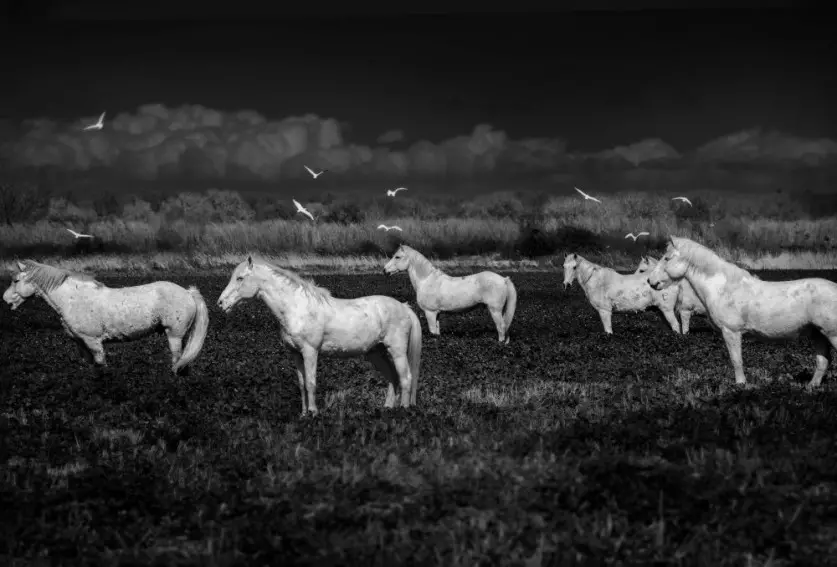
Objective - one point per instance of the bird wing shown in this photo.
(101, 118)
(397, 228)
(309, 169)
(594, 199)
(688, 201)
(629, 235)
(299, 207)
(400, 189)
(73, 232)
(308, 214)
(382, 226)
(643, 233)
(580, 191)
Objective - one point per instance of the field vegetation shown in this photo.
(563, 448)
(212, 228)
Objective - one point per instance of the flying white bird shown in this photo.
(684, 199)
(638, 234)
(314, 175)
(98, 125)
(388, 228)
(392, 192)
(303, 210)
(78, 235)
(586, 196)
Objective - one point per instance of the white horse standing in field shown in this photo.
(609, 291)
(438, 292)
(387, 331)
(688, 303)
(738, 302)
(93, 313)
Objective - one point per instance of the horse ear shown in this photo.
(249, 261)
(21, 266)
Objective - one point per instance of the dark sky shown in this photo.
(598, 78)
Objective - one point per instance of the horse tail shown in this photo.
(511, 305)
(414, 353)
(197, 333)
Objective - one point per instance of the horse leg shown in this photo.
(176, 347)
(497, 315)
(97, 350)
(383, 366)
(605, 315)
(299, 363)
(685, 317)
(733, 342)
(432, 322)
(672, 320)
(402, 368)
(822, 347)
(310, 355)
(85, 352)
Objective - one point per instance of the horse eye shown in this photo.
(240, 278)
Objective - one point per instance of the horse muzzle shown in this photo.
(14, 301)
(654, 286)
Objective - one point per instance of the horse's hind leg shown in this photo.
(733, 342)
(497, 315)
(176, 347)
(822, 347)
(382, 364)
(402, 369)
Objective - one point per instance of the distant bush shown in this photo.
(506, 223)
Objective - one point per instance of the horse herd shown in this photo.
(688, 279)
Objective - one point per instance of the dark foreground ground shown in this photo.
(564, 448)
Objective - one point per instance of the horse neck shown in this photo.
(58, 298)
(283, 304)
(420, 269)
(584, 271)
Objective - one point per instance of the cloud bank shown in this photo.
(159, 142)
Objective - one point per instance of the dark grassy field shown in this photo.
(564, 448)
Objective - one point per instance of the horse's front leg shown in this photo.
(432, 322)
(97, 351)
(85, 352)
(672, 320)
(299, 363)
(310, 354)
(733, 341)
(605, 315)
(685, 317)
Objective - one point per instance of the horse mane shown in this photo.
(585, 268)
(708, 262)
(420, 261)
(306, 285)
(47, 278)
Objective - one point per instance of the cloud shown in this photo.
(193, 141)
(391, 136)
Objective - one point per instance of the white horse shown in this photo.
(609, 291)
(688, 303)
(387, 331)
(438, 292)
(93, 314)
(738, 302)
